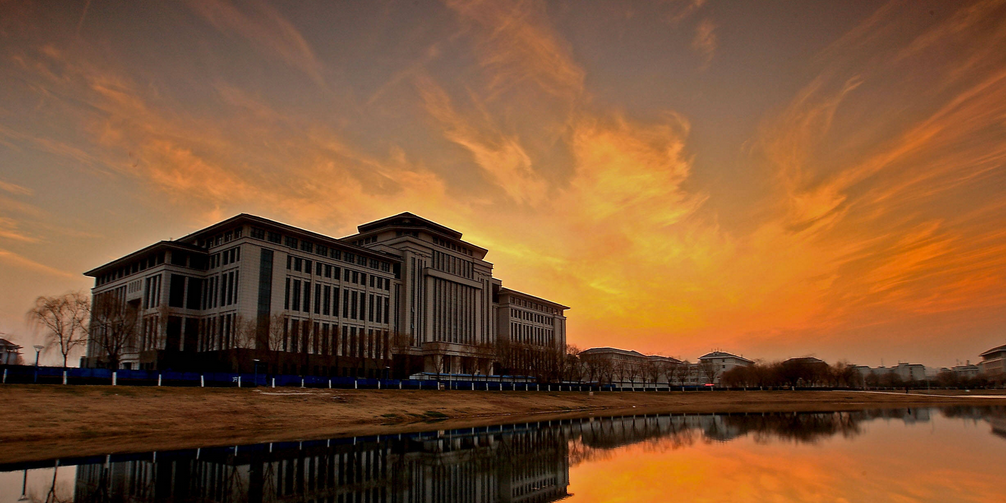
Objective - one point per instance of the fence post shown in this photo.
(473, 385)
(64, 377)
(301, 382)
(115, 375)
(159, 378)
(378, 384)
(202, 381)
(329, 383)
(273, 382)
(399, 384)
(355, 384)
(239, 381)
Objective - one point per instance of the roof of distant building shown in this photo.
(997, 349)
(603, 350)
(723, 354)
(807, 359)
(4, 343)
(664, 358)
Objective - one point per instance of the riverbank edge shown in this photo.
(48, 422)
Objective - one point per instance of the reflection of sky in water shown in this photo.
(935, 458)
(896, 455)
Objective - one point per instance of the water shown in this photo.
(946, 454)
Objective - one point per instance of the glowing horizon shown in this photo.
(772, 180)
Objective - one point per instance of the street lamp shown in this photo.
(255, 364)
(38, 349)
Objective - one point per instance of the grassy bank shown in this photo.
(49, 421)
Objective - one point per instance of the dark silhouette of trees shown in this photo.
(113, 327)
(65, 321)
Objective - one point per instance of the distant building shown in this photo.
(910, 371)
(716, 363)
(905, 372)
(993, 364)
(966, 371)
(625, 366)
(10, 353)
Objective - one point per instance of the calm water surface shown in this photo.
(945, 454)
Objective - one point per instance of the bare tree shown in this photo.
(621, 370)
(113, 327)
(652, 370)
(709, 371)
(64, 320)
(572, 366)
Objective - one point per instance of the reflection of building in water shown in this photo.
(529, 465)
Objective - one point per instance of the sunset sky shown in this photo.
(773, 179)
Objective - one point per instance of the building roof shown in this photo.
(511, 291)
(807, 359)
(723, 354)
(8, 345)
(129, 258)
(408, 220)
(661, 357)
(605, 350)
(997, 349)
(187, 242)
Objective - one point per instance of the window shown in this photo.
(307, 266)
(336, 254)
(297, 264)
(307, 246)
(286, 297)
(363, 279)
(317, 270)
(296, 295)
(356, 277)
(307, 297)
(289, 262)
(291, 242)
(345, 303)
(321, 250)
(328, 271)
(317, 298)
(327, 302)
(352, 305)
(346, 276)
(274, 237)
(257, 233)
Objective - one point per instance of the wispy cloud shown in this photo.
(263, 27)
(705, 41)
(17, 190)
(19, 262)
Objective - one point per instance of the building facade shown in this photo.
(403, 295)
(10, 353)
(993, 364)
(713, 365)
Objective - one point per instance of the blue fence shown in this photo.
(21, 374)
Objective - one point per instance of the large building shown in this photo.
(403, 295)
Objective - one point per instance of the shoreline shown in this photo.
(53, 421)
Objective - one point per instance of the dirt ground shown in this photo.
(49, 421)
